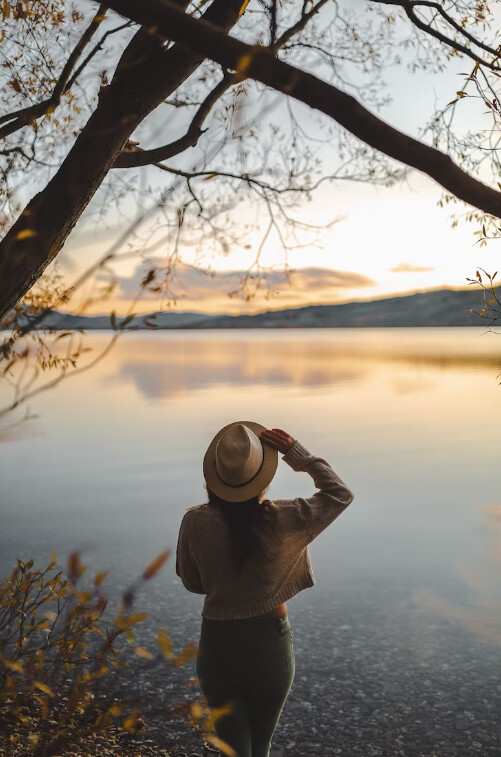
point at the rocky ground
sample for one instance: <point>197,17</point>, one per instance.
<point>379,675</point>
<point>374,684</point>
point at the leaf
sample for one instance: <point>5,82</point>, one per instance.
<point>155,566</point>
<point>130,722</point>
<point>186,654</point>
<point>197,711</point>
<point>43,687</point>
<point>212,175</point>
<point>222,746</point>
<point>165,644</point>
<point>142,652</point>
<point>15,666</point>
<point>100,578</point>
<point>125,621</point>
<point>127,320</point>
<point>243,8</point>
<point>26,234</point>
<point>151,275</point>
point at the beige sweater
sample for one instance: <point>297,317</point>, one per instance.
<point>203,560</point>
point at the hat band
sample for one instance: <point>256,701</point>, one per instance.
<point>238,486</point>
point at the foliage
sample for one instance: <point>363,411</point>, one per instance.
<point>58,650</point>
<point>491,304</point>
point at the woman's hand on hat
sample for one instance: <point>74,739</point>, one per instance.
<point>278,439</point>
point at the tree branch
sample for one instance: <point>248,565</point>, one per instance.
<point>259,63</point>
<point>138,157</point>
<point>132,158</point>
<point>97,47</point>
<point>19,118</point>
<point>146,75</point>
<point>409,5</point>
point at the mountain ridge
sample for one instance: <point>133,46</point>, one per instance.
<point>443,307</point>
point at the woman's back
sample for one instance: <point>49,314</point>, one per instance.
<point>281,567</point>
<point>248,562</point>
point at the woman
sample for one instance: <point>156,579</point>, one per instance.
<point>249,556</point>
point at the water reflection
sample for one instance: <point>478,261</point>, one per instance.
<point>480,609</point>
<point>171,364</point>
<point>409,417</point>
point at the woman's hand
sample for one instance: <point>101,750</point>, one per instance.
<point>278,439</point>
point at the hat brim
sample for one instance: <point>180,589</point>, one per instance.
<point>254,487</point>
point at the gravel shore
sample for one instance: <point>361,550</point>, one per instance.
<point>376,683</point>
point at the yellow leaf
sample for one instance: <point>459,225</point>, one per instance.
<point>243,8</point>
<point>222,746</point>
<point>43,687</point>
<point>142,652</point>
<point>53,560</point>
<point>16,666</point>
<point>197,710</point>
<point>100,578</point>
<point>244,63</point>
<point>155,566</point>
<point>188,653</point>
<point>165,644</point>
<point>130,721</point>
<point>125,621</point>
<point>26,234</point>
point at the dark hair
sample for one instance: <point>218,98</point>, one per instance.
<point>244,520</point>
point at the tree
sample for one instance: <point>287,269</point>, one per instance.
<point>175,56</point>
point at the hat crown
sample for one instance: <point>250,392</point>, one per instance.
<point>238,455</point>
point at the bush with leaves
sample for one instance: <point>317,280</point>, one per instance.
<point>56,649</point>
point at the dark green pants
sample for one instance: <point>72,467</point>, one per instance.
<point>248,665</point>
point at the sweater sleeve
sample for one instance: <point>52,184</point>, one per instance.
<point>310,516</point>
<point>186,567</point>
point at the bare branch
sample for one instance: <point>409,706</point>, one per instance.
<point>298,26</point>
<point>130,158</point>
<point>19,118</point>
<point>259,63</point>
<point>409,5</point>
<point>97,47</point>
<point>138,157</point>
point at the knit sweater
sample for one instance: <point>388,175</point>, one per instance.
<point>266,579</point>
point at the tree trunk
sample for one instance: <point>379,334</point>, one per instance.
<point>145,76</point>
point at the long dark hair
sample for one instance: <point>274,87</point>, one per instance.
<point>245,521</point>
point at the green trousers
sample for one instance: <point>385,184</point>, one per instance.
<point>248,666</point>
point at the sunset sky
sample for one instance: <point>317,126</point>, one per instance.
<point>386,240</point>
<point>389,241</point>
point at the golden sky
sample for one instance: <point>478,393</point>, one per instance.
<point>386,242</point>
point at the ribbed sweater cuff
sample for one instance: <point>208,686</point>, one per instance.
<point>297,456</point>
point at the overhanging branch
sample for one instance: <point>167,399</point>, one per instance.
<point>132,158</point>
<point>19,118</point>
<point>138,157</point>
<point>260,64</point>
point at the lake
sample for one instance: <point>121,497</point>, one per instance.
<point>398,644</point>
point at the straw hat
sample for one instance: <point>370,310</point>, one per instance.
<point>237,465</point>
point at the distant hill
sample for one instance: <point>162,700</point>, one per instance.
<point>445,307</point>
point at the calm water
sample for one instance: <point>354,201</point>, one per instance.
<point>410,419</point>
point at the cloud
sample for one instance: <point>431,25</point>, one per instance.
<point>409,268</point>
<point>195,288</point>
